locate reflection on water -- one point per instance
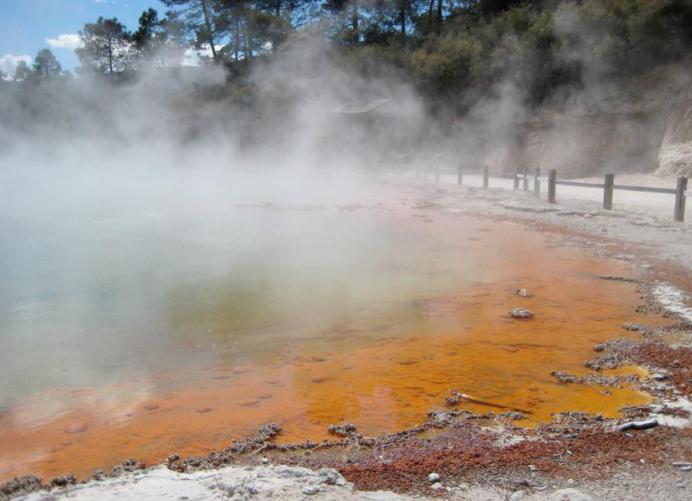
(149, 335)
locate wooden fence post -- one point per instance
(486, 176)
(608, 191)
(552, 180)
(460, 175)
(526, 179)
(680, 195)
(516, 178)
(537, 183)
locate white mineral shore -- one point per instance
(231, 482)
(261, 482)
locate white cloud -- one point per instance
(65, 41)
(9, 62)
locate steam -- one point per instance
(116, 198)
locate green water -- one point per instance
(88, 301)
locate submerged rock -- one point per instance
(76, 428)
(522, 313)
(629, 326)
(618, 278)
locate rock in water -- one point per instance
(523, 293)
(75, 428)
(521, 313)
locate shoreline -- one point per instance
(503, 453)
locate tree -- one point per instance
(492, 7)
(233, 21)
(46, 65)
(159, 39)
(105, 47)
(22, 72)
(253, 26)
(343, 9)
(148, 31)
(200, 20)
(403, 7)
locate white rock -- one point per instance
(433, 477)
(330, 476)
(310, 490)
(517, 496)
(569, 495)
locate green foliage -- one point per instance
(447, 49)
(105, 47)
(46, 65)
(159, 40)
(22, 72)
(448, 64)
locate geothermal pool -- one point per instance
(144, 334)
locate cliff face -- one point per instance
(592, 144)
(582, 145)
(675, 155)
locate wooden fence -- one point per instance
(608, 186)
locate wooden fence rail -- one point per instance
(608, 186)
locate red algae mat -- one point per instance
(380, 371)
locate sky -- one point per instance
(26, 26)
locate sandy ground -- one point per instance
(579, 460)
